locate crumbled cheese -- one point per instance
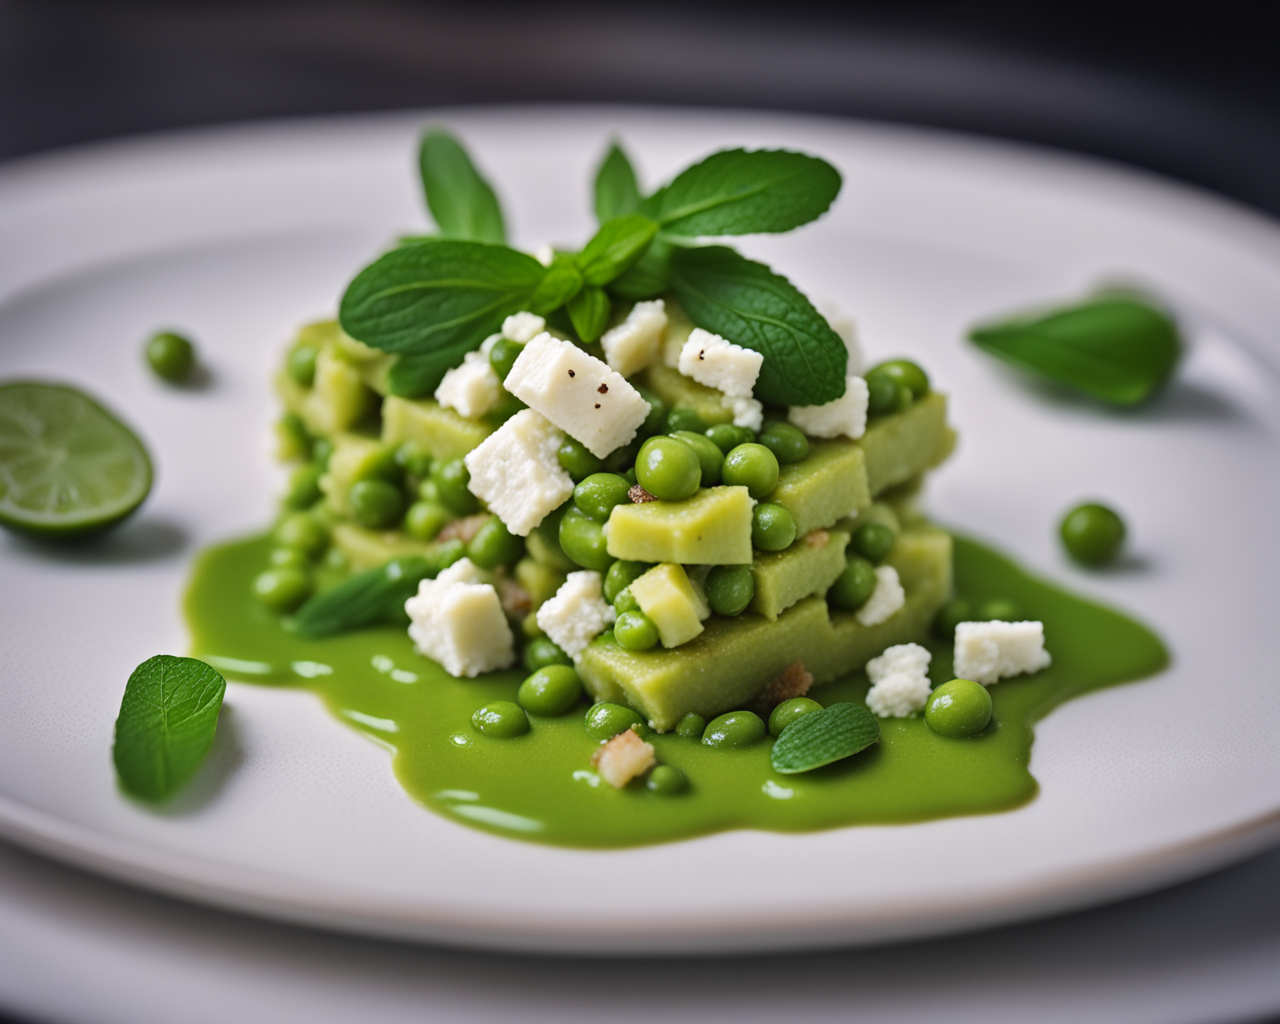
(623, 758)
(900, 681)
(463, 571)
(460, 624)
(578, 393)
(747, 412)
(545, 254)
(711, 360)
(516, 471)
(634, 343)
(886, 599)
(846, 416)
(471, 389)
(577, 614)
(523, 327)
(987, 651)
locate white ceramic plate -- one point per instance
(238, 235)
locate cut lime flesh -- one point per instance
(68, 467)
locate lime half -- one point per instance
(68, 468)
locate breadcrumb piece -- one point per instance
(639, 495)
(794, 681)
(462, 529)
(516, 601)
(623, 758)
(817, 539)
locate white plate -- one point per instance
(237, 235)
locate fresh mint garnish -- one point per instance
(589, 312)
(648, 277)
(831, 734)
(365, 599)
(615, 247)
(726, 293)
(167, 721)
(463, 203)
(1116, 348)
(617, 193)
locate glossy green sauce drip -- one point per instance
(540, 786)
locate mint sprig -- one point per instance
(365, 599)
(617, 193)
(826, 736)
(166, 725)
(615, 247)
(462, 203)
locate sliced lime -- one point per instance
(68, 468)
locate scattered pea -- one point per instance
(666, 780)
(582, 539)
(171, 356)
(452, 550)
(301, 364)
(376, 503)
(321, 449)
(425, 519)
(772, 528)
(903, 372)
(625, 602)
(656, 421)
(787, 443)
(494, 545)
(576, 460)
(282, 589)
(599, 493)
(414, 458)
(999, 609)
(635, 631)
(288, 558)
(691, 726)
(503, 356)
(379, 464)
(950, 615)
(541, 652)
(550, 691)
(501, 719)
(1093, 534)
(684, 419)
(730, 588)
(605, 721)
(958, 708)
(735, 729)
(854, 586)
(294, 441)
(874, 541)
(451, 479)
(668, 468)
(789, 711)
(303, 531)
(620, 576)
(753, 466)
(711, 457)
(304, 486)
(621, 459)
(727, 437)
(885, 396)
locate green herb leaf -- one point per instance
(462, 203)
(649, 276)
(747, 303)
(589, 312)
(616, 190)
(831, 734)
(562, 283)
(615, 248)
(365, 599)
(167, 721)
(736, 192)
(1115, 348)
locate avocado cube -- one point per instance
(899, 447)
(372, 364)
(806, 568)
(539, 581)
(829, 484)
(368, 549)
(676, 389)
(444, 433)
(711, 528)
(354, 457)
(338, 399)
(665, 594)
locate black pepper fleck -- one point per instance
(597, 405)
(572, 374)
(603, 389)
(702, 354)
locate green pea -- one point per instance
(620, 459)
(772, 528)
(295, 442)
(620, 576)
(282, 589)
(304, 486)
(666, 780)
(681, 418)
(903, 372)
(303, 531)
(494, 545)
(727, 437)
(625, 602)
(171, 356)
(790, 711)
(414, 458)
(1093, 534)
(711, 457)
(379, 464)
(656, 421)
(605, 721)
(451, 479)
(452, 550)
(886, 397)
(288, 558)
(376, 503)
(576, 460)
(958, 708)
(668, 469)
(752, 466)
(543, 651)
(854, 586)
(874, 541)
(735, 729)
(501, 719)
(630, 476)
(950, 615)
(635, 631)
(730, 588)
(321, 449)
(301, 364)
(788, 443)
(503, 356)
(425, 519)
(691, 726)
(599, 493)
(550, 691)
(582, 539)
(999, 609)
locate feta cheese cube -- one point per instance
(900, 681)
(471, 389)
(463, 571)
(634, 343)
(516, 471)
(577, 614)
(578, 393)
(462, 626)
(747, 412)
(847, 415)
(623, 758)
(988, 651)
(886, 599)
(711, 360)
(523, 327)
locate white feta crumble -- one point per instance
(747, 412)
(886, 599)
(516, 471)
(523, 327)
(711, 360)
(623, 758)
(846, 416)
(988, 651)
(634, 343)
(461, 625)
(471, 389)
(545, 254)
(577, 614)
(462, 571)
(900, 681)
(578, 393)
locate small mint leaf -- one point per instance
(648, 277)
(617, 193)
(365, 599)
(832, 734)
(461, 201)
(615, 248)
(589, 312)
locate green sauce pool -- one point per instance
(540, 786)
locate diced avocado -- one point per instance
(806, 568)
(444, 433)
(368, 549)
(901, 446)
(665, 594)
(546, 551)
(829, 484)
(372, 364)
(338, 399)
(732, 660)
(354, 458)
(676, 389)
(711, 528)
(539, 581)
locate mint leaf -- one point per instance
(725, 293)
(648, 277)
(462, 203)
(166, 725)
(365, 599)
(737, 192)
(615, 247)
(589, 312)
(616, 190)
(1115, 348)
(831, 734)
(562, 283)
